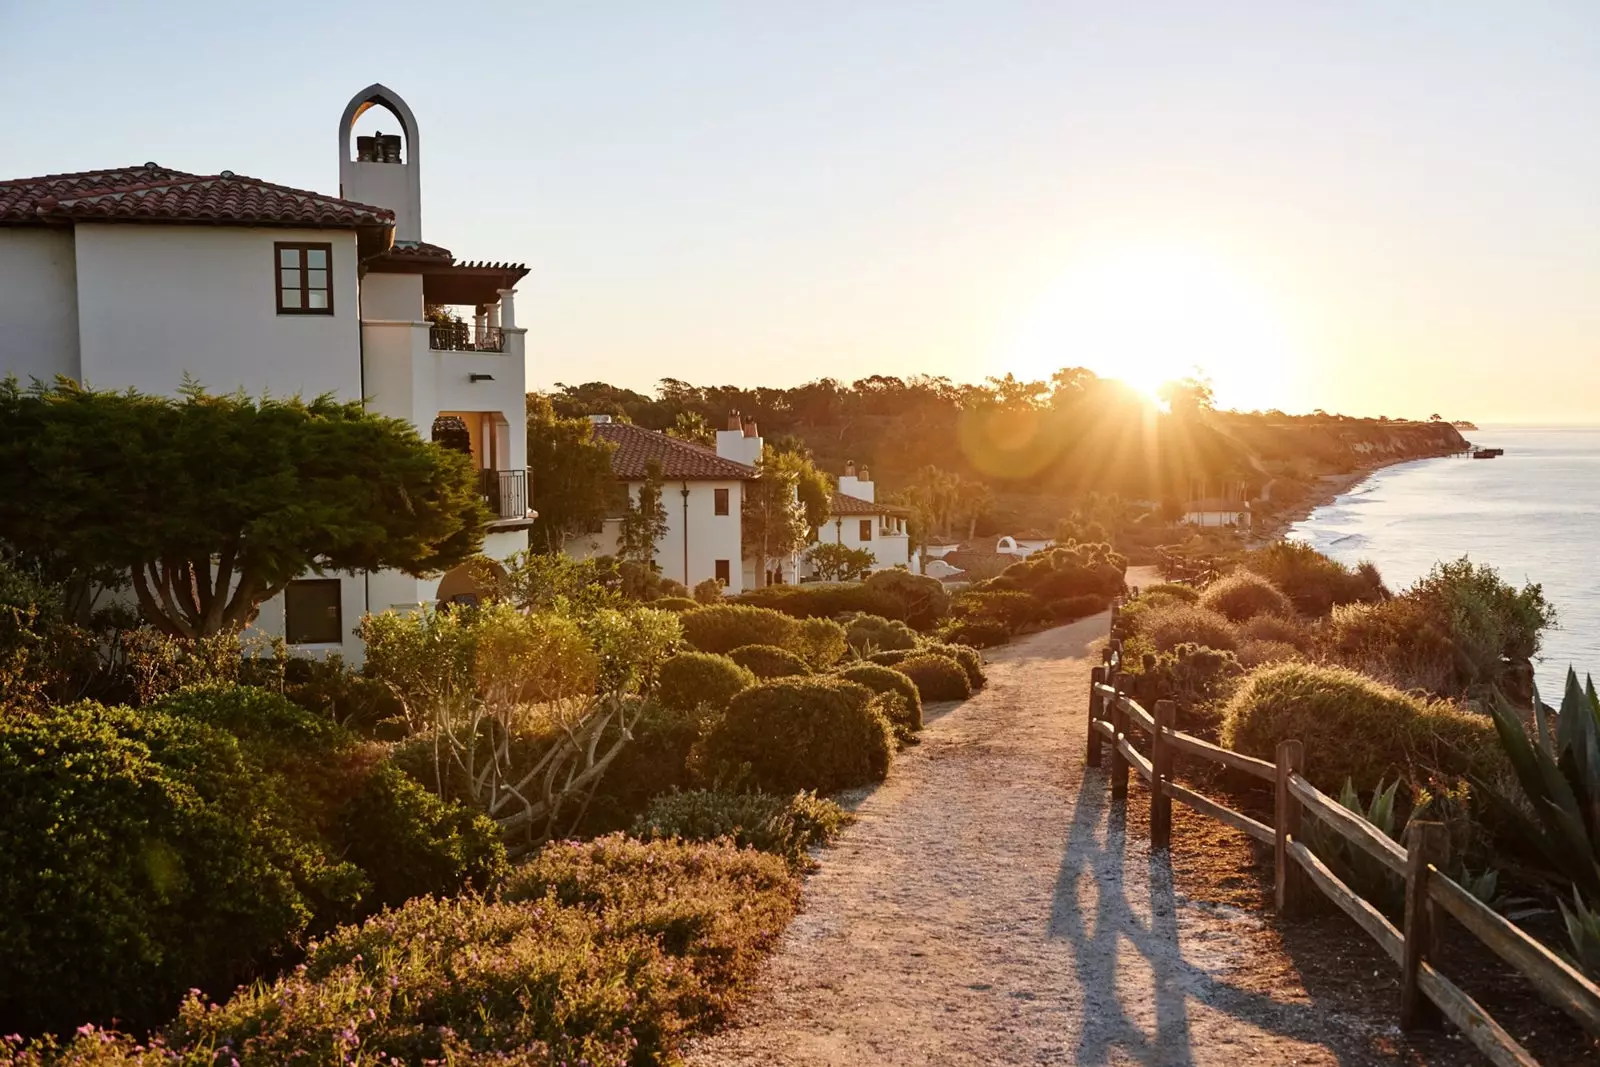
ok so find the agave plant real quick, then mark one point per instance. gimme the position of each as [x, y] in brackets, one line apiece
[1559, 771]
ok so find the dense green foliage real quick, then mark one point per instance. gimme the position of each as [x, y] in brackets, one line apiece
[571, 469]
[1242, 596]
[821, 643]
[873, 633]
[834, 562]
[644, 521]
[818, 733]
[785, 826]
[937, 677]
[1167, 624]
[1357, 728]
[768, 661]
[976, 633]
[881, 679]
[188, 843]
[724, 627]
[1313, 582]
[692, 678]
[922, 601]
[824, 600]
[213, 504]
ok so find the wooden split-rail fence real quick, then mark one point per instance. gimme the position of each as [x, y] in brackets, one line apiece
[1118, 714]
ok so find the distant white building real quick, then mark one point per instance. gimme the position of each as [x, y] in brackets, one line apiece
[133, 277]
[1217, 511]
[857, 520]
[703, 492]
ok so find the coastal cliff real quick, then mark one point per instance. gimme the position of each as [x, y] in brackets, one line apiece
[1344, 444]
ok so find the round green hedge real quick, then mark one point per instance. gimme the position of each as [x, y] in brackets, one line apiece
[768, 661]
[674, 603]
[725, 627]
[690, 679]
[971, 661]
[888, 680]
[818, 733]
[1242, 596]
[1355, 727]
[879, 634]
[937, 677]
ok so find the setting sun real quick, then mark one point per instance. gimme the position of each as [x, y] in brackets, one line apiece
[1148, 316]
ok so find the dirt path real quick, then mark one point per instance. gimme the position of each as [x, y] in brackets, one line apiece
[988, 908]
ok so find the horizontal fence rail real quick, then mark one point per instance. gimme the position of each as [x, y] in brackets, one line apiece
[1120, 712]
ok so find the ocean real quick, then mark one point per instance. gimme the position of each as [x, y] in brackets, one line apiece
[1533, 514]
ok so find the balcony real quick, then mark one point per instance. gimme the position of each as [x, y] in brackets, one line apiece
[465, 337]
[505, 493]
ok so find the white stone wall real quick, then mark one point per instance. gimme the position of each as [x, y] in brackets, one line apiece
[888, 549]
[156, 302]
[38, 304]
[710, 536]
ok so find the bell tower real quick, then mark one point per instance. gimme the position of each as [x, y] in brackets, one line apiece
[383, 170]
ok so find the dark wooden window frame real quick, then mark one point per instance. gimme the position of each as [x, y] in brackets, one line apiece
[301, 247]
[291, 632]
[719, 501]
[866, 529]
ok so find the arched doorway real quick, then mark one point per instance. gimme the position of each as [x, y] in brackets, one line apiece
[470, 583]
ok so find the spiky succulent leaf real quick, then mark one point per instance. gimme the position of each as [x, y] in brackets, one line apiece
[1583, 930]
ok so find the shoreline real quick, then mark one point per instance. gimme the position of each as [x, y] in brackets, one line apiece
[1329, 487]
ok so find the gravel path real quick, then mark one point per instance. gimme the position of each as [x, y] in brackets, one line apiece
[988, 909]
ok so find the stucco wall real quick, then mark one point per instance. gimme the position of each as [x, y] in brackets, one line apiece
[711, 536]
[38, 303]
[155, 302]
[888, 550]
[392, 296]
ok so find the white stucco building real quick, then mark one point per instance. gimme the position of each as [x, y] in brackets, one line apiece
[702, 491]
[1217, 512]
[857, 520]
[134, 277]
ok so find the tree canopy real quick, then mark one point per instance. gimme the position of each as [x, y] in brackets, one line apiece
[570, 469]
[209, 505]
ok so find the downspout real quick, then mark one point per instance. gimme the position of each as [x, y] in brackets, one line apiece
[686, 533]
[361, 355]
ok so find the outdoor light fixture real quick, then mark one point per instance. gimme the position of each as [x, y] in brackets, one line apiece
[480, 377]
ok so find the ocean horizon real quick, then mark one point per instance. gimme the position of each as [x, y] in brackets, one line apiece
[1529, 513]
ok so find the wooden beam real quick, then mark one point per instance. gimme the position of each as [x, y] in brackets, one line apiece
[1350, 826]
[1239, 821]
[1190, 745]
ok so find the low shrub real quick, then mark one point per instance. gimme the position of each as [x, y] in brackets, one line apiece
[1399, 641]
[1256, 653]
[1078, 607]
[675, 603]
[657, 760]
[1489, 620]
[674, 589]
[767, 661]
[1357, 728]
[937, 677]
[331, 689]
[1313, 582]
[784, 826]
[923, 601]
[708, 591]
[1013, 610]
[971, 661]
[888, 680]
[1167, 626]
[892, 657]
[1242, 595]
[826, 600]
[876, 634]
[608, 953]
[816, 733]
[975, 633]
[690, 679]
[1195, 678]
[1172, 590]
[725, 627]
[1288, 630]
[821, 643]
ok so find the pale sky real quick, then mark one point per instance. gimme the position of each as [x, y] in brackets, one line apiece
[1374, 207]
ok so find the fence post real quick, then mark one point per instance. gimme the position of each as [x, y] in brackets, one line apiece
[1286, 827]
[1119, 726]
[1097, 678]
[1161, 757]
[1426, 843]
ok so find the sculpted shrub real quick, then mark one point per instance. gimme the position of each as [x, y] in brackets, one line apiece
[971, 661]
[725, 627]
[975, 633]
[784, 826]
[936, 677]
[923, 600]
[821, 643]
[825, 600]
[1241, 596]
[871, 633]
[805, 733]
[888, 680]
[1357, 728]
[1312, 581]
[1167, 626]
[690, 679]
[1013, 610]
[1078, 607]
[765, 661]
[708, 591]
[674, 603]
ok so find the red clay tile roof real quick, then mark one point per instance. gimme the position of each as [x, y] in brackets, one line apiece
[157, 194]
[636, 447]
[852, 505]
[420, 250]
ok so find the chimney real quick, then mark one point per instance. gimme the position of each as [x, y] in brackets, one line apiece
[849, 468]
[734, 422]
[865, 476]
[857, 482]
[750, 429]
[740, 442]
